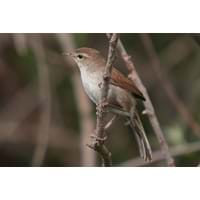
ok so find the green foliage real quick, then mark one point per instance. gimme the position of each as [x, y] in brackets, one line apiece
[81, 39]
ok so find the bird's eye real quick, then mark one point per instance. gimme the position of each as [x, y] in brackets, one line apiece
[79, 56]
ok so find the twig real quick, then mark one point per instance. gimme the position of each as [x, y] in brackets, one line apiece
[100, 136]
[88, 158]
[158, 156]
[45, 98]
[148, 104]
[167, 86]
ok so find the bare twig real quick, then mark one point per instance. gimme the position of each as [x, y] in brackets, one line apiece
[84, 106]
[98, 144]
[45, 98]
[179, 150]
[167, 86]
[148, 104]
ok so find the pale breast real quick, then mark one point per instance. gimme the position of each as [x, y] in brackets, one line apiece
[91, 83]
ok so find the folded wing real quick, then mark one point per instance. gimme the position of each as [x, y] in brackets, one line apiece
[118, 79]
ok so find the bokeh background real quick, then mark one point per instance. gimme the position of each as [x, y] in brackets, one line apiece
[46, 119]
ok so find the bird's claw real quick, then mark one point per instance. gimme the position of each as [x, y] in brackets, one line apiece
[97, 138]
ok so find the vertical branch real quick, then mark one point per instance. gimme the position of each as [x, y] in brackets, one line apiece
[88, 157]
[167, 86]
[20, 43]
[100, 137]
[148, 104]
[45, 98]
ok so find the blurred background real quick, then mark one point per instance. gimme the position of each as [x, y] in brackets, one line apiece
[46, 119]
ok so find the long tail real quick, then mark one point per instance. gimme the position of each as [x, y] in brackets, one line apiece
[142, 140]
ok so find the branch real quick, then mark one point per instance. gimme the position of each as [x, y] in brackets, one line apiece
[100, 137]
[158, 156]
[168, 87]
[148, 104]
[182, 47]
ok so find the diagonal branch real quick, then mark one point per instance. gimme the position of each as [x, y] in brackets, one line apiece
[183, 149]
[148, 104]
[167, 86]
[100, 136]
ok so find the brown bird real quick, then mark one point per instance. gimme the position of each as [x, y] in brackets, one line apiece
[122, 92]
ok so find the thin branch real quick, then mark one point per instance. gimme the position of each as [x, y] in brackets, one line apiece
[98, 144]
[148, 104]
[179, 150]
[88, 158]
[167, 86]
[45, 98]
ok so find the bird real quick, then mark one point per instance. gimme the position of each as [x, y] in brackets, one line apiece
[122, 94]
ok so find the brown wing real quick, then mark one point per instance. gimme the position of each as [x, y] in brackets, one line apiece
[118, 79]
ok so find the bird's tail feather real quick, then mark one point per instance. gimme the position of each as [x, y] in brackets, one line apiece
[142, 140]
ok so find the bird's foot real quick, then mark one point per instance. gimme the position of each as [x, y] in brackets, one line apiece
[97, 138]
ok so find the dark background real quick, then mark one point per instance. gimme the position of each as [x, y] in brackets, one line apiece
[46, 120]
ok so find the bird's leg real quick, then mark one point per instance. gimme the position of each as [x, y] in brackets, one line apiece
[110, 122]
[108, 125]
[100, 139]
